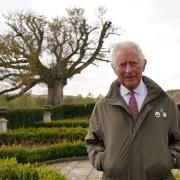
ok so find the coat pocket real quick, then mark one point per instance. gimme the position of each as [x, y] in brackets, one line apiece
[158, 164]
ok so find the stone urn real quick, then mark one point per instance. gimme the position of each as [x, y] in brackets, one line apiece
[3, 120]
[47, 113]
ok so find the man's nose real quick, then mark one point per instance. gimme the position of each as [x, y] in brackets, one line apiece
[128, 68]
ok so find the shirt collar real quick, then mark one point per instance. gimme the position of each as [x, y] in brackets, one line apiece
[139, 90]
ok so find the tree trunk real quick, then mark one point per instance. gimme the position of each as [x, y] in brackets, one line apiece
[55, 93]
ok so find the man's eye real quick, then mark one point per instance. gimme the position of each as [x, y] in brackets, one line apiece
[133, 63]
[122, 65]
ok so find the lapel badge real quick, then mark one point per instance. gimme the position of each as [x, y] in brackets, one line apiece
[164, 115]
[157, 114]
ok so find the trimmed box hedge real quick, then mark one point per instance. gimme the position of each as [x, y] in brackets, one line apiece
[23, 117]
[10, 169]
[64, 123]
[32, 136]
[41, 154]
[71, 111]
[28, 117]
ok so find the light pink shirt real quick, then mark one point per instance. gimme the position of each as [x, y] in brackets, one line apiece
[140, 94]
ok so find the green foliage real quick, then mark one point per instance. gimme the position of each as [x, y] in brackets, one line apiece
[23, 117]
[84, 100]
[42, 135]
[64, 123]
[3, 101]
[33, 101]
[41, 154]
[18, 118]
[71, 111]
[24, 101]
[11, 170]
[170, 92]
[46, 173]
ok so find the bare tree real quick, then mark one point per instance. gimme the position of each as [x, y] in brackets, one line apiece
[37, 50]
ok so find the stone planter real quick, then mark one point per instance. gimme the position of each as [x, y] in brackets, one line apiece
[3, 121]
[47, 114]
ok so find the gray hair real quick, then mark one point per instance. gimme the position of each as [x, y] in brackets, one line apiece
[120, 45]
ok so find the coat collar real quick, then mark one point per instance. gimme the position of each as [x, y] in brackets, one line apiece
[140, 90]
[154, 92]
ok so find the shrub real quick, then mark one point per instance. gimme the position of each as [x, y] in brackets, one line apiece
[40, 154]
[42, 135]
[28, 117]
[23, 117]
[64, 123]
[11, 170]
[71, 111]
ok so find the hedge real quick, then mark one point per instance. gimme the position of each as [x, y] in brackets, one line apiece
[11, 170]
[64, 123]
[42, 135]
[41, 154]
[23, 117]
[71, 111]
[28, 117]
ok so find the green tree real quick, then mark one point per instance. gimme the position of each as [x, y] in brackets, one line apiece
[38, 50]
[170, 92]
[25, 101]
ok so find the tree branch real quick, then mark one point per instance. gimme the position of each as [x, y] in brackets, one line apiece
[23, 90]
[106, 26]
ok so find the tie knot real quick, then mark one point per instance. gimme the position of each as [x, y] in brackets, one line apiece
[131, 93]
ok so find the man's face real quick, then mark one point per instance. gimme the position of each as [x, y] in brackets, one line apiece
[129, 68]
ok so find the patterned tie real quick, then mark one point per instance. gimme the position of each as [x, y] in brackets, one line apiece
[133, 107]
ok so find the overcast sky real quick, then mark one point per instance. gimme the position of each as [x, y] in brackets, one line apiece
[153, 24]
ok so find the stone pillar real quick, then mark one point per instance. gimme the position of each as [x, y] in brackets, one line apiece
[3, 121]
[47, 114]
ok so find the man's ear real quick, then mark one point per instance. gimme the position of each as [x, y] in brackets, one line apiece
[114, 69]
[144, 64]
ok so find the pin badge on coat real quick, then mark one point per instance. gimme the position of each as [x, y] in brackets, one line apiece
[162, 112]
[164, 115]
[157, 114]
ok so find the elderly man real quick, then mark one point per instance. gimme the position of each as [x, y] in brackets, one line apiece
[134, 130]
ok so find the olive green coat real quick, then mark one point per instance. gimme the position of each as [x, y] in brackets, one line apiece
[124, 151]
